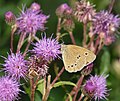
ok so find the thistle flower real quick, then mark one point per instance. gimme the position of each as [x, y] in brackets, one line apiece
[15, 65]
[83, 11]
[109, 39]
[9, 89]
[35, 6]
[10, 18]
[64, 11]
[31, 20]
[95, 87]
[37, 66]
[104, 22]
[47, 48]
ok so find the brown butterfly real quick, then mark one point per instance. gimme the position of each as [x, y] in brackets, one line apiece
[76, 57]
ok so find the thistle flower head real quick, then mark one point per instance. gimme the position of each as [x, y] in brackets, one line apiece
[109, 39]
[37, 66]
[104, 22]
[47, 48]
[15, 65]
[10, 18]
[63, 11]
[9, 89]
[83, 11]
[95, 87]
[31, 20]
[35, 6]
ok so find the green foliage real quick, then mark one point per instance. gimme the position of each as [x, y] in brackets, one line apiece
[41, 86]
[105, 62]
[60, 83]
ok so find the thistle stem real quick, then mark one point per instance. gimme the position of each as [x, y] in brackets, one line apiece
[78, 85]
[84, 34]
[21, 40]
[97, 44]
[32, 89]
[86, 98]
[56, 78]
[12, 37]
[30, 39]
[81, 96]
[90, 42]
[72, 38]
[111, 6]
[27, 47]
[58, 29]
[47, 90]
[101, 44]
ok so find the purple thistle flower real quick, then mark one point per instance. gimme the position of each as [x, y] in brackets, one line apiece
[47, 48]
[15, 65]
[104, 22]
[83, 11]
[109, 39]
[31, 20]
[63, 10]
[95, 87]
[9, 89]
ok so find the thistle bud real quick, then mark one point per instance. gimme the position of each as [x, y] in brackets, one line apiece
[87, 70]
[10, 18]
[62, 9]
[35, 6]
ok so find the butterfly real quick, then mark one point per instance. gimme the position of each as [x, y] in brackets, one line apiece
[76, 58]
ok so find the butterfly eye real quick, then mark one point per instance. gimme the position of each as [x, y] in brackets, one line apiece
[86, 53]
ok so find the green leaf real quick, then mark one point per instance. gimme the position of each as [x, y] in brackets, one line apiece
[27, 90]
[60, 83]
[70, 97]
[64, 34]
[38, 96]
[41, 86]
[105, 62]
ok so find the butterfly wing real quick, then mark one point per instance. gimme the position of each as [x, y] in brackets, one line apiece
[89, 55]
[73, 59]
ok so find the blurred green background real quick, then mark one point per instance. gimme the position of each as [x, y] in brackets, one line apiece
[107, 62]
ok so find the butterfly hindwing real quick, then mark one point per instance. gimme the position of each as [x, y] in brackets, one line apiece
[89, 56]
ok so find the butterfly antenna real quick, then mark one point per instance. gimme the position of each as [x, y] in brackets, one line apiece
[60, 58]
